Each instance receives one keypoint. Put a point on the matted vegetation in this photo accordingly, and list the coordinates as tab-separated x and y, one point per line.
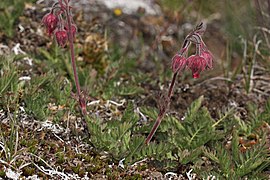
217	126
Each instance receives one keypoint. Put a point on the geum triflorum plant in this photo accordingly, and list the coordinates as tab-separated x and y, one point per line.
198	62
60	23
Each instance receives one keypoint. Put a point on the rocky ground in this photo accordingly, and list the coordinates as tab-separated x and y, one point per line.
149	34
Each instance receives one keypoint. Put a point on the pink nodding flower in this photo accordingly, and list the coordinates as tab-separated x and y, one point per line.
61	37
196	64
50	21
207	55
73	30
178	63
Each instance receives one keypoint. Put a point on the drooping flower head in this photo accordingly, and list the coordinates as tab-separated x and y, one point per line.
73	30
178	63
50	21
207	55
196	64
59	22
61	37
200	61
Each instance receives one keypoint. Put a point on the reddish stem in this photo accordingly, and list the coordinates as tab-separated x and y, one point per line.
162	113
154	128
172	85
73	61
167	99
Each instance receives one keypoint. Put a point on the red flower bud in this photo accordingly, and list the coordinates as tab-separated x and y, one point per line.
196	64
50	21
61	37
178	63
207	55
73	30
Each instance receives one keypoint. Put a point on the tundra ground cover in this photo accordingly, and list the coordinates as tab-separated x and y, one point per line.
217	126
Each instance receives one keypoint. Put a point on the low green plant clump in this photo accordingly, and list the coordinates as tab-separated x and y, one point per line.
227	147
210	147
10	11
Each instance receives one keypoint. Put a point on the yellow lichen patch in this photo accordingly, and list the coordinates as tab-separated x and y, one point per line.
117	12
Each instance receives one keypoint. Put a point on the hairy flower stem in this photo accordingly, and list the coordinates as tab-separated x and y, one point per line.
172	85
162	113
73	61
197	63
167	100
